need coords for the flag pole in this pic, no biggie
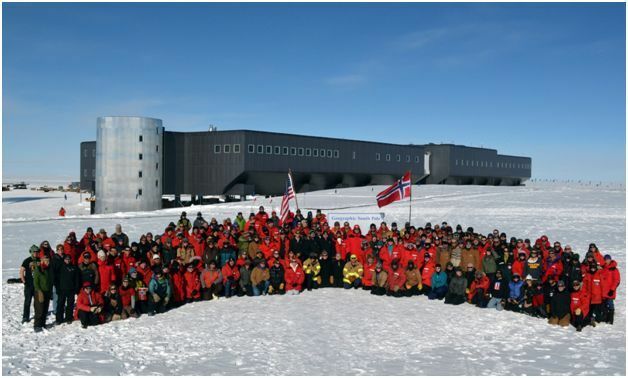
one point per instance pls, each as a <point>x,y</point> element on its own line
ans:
<point>293,188</point>
<point>410,215</point>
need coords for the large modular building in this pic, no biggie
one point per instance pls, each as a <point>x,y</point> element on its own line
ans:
<point>134,162</point>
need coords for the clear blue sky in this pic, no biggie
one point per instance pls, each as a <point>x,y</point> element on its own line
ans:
<point>541,80</point>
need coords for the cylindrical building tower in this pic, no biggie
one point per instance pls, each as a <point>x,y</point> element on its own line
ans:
<point>129,165</point>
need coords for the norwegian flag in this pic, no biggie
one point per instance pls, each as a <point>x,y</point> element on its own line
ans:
<point>396,192</point>
<point>285,202</point>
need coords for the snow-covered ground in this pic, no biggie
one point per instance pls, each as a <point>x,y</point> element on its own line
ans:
<point>329,331</point>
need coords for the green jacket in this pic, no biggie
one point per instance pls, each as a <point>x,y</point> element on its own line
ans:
<point>241,222</point>
<point>42,280</point>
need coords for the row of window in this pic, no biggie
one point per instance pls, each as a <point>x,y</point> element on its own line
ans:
<point>226,149</point>
<point>408,158</point>
<point>489,164</point>
<point>139,191</point>
<point>294,151</point>
<point>93,153</point>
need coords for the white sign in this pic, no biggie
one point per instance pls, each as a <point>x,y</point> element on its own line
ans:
<point>364,220</point>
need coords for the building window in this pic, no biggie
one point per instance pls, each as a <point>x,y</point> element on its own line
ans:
<point>156,183</point>
<point>322,153</point>
<point>315,152</point>
<point>416,159</point>
<point>407,158</point>
<point>353,155</point>
<point>277,150</point>
<point>157,130</point>
<point>236,148</point>
<point>269,150</point>
<point>216,148</point>
<point>387,157</point>
<point>398,158</point>
<point>156,166</point>
<point>329,154</point>
<point>284,150</point>
<point>251,148</point>
<point>308,152</point>
<point>260,149</point>
<point>157,148</point>
<point>140,174</point>
<point>227,149</point>
<point>378,156</point>
<point>139,192</point>
<point>336,154</point>
<point>293,151</point>
<point>301,151</point>
<point>141,156</point>
<point>141,139</point>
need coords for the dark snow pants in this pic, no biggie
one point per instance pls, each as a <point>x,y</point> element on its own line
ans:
<point>87,318</point>
<point>65,306</point>
<point>41,309</point>
<point>29,291</point>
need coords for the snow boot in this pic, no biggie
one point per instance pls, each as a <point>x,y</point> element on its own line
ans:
<point>38,329</point>
<point>611,316</point>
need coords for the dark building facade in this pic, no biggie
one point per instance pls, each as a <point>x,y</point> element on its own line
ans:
<point>244,162</point>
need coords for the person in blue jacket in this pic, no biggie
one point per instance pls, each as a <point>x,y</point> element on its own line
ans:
<point>439,284</point>
<point>227,252</point>
<point>159,291</point>
<point>515,295</point>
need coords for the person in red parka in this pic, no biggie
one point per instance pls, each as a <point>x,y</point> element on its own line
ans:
<point>178,284</point>
<point>593,282</point>
<point>427,269</point>
<point>597,254</point>
<point>192,284</point>
<point>294,277</point>
<point>230,277</point>
<point>610,282</point>
<point>478,292</point>
<point>127,295</point>
<point>519,265</point>
<point>89,305</point>
<point>553,266</point>
<point>396,279</point>
<point>579,306</point>
<point>105,272</point>
<point>369,271</point>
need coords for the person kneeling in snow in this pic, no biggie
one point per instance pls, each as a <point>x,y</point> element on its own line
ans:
<point>276,278</point>
<point>89,305</point>
<point>294,277</point>
<point>352,273</point>
<point>396,280</point>
<point>413,284</point>
<point>159,293</point>
<point>498,291</point>
<point>457,288</point>
<point>439,284</point>
<point>559,306</point>
<point>380,280</point>
<point>260,279</point>
<point>113,304</point>
<point>312,269</point>
<point>515,294</point>
<point>478,292</point>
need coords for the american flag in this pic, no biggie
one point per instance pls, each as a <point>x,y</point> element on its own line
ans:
<point>287,196</point>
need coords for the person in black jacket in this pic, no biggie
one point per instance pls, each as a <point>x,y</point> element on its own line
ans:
<point>338,265</point>
<point>26,276</point>
<point>68,285</point>
<point>560,312</point>
<point>277,285</point>
<point>113,304</point>
<point>498,291</point>
<point>327,269</point>
<point>549,288</point>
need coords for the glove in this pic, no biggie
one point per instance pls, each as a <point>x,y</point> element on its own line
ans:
<point>281,287</point>
<point>408,286</point>
<point>194,292</point>
<point>467,291</point>
<point>610,293</point>
<point>98,310</point>
<point>270,290</point>
<point>420,286</point>
<point>331,280</point>
<point>93,309</point>
<point>156,297</point>
<point>166,300</point>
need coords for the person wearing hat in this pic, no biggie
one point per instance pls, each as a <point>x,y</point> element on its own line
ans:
<point>515,293</point>
<point>553,265</point>
<point>191,283</point>
<point>559,312</point>
<point>141,289</point>
<point>245,281</point>
<point>596,254</point>
<point>277,278</point>
<point>312,269</point>
<point>396,279</point>
<point>26,276</point>
<point>106,272</point>
<point>227,252</point>
<point>230,277</point>
<point>592,282</point>
<point>380,280</point>
<point>498,292</point>
<point>293,276</point>
<point>211,281</point>
<point>89,305</point>
<point>112,310</point>
<point>439,283</point>
<point>260,279</point>
<point>159,293</point>
<point>414,281</point>
<point>470,255</point>
<point>579,306</point>
<point>457,288</point>
<point>529,292</point>
<point>427,269</point>
<point>184,222</point>
<point>68,286</point>
<point>610,281</point>
<point>127,297</point>
<point>352,273</point>
<point>534,266</point>
<point>119,236</point>
<point>199,221</point>
<point>42,283</point>
<point>88,269</point>
<point>478,292</point>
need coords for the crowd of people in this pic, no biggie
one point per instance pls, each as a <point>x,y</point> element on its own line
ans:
<point>104,277</point>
